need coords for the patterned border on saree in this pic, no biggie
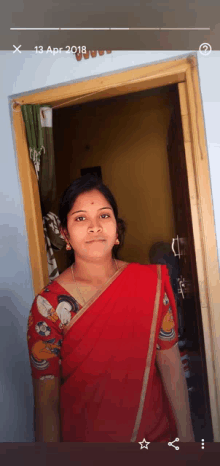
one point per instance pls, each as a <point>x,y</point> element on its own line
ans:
<point>149,356</point>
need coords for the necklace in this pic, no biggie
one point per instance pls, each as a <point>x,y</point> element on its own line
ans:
<point>99,288</point>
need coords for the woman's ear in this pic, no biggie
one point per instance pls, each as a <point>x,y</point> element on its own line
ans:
<point>63,232</point>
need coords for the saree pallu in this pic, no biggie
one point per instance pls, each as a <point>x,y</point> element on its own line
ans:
<point>111,389</point>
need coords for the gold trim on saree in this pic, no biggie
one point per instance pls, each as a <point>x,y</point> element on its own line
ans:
<point>94,298</point>
<point>149,357</point>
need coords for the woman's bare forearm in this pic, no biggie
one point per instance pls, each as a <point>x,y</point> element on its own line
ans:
<point>171,370</point>
<point>47,410</point>
<point>47,423</point>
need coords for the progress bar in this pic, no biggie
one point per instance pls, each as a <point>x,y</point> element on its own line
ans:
<point>110,29</point>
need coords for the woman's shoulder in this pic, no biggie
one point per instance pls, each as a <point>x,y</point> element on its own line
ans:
<point>51,290</point>
<point>138,264</point>
<point>48,294</point>
<point>56,292</point>
<point>150,268</point>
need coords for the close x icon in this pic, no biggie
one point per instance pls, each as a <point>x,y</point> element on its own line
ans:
<point>16,49</point>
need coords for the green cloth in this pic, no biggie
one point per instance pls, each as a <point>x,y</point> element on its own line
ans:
<point>38,123</point>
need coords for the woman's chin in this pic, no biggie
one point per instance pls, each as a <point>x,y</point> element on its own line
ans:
<point>99,255</point>
<point>100,252</point>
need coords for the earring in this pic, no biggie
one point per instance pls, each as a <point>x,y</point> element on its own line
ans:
<point>117,241</point>
<point>68,247</point>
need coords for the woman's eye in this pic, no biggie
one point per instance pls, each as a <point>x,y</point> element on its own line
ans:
<point>79,219</point>
<point>105,215</point>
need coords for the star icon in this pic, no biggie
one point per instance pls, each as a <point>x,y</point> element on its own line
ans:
<point>144,444</point>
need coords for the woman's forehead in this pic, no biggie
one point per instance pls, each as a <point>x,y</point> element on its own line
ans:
<point>90,198</point>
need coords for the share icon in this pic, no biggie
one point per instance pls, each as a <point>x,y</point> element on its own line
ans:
<point>170,444</point>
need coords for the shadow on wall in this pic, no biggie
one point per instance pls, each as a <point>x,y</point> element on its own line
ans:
<point>15,385</point>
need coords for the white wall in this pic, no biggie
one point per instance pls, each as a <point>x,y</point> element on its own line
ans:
<point>29,72</point>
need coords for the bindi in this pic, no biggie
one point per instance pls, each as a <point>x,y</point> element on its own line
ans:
<point>92,202</point>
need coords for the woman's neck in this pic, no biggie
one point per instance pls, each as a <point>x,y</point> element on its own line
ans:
<point>94,272</point>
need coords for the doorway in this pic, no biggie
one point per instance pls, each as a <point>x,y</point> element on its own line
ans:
<point>183,73</point>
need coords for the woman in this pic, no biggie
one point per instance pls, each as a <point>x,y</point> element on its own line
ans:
<point>103,337</point>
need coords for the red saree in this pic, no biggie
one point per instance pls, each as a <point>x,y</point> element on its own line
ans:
<point>111,390</point>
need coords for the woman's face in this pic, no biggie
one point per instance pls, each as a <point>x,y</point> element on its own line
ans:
<point>91,226</point>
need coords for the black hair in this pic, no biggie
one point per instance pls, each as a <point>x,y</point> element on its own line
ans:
<point>85,184</point>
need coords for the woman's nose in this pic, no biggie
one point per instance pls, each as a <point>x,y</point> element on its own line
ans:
<point>95,227</point>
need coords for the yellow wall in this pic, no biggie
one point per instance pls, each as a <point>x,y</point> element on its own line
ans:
<point>128,139</point>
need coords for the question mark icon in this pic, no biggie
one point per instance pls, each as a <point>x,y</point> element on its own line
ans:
<point>205,48</point>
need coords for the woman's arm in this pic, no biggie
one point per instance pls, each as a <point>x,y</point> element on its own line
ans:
<point>46,413</point>
<point>171,371</point>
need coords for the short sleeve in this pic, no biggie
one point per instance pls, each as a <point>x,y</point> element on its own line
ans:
<point>44,337</point>
<point>168,334</point>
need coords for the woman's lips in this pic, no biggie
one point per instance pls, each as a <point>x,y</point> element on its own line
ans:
<point>96,241</point>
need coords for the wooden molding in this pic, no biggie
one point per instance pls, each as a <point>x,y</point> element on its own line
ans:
<point>145,77</point>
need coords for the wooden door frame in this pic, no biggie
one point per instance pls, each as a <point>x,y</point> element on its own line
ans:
<point>184,73</point>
